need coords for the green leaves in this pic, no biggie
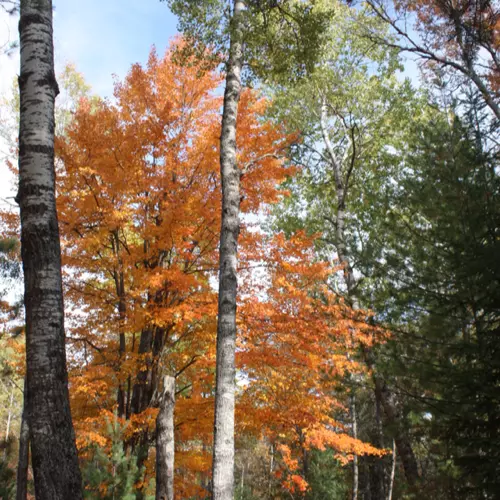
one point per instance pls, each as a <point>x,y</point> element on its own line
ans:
<point>111,473</point>
<point>282,38</point>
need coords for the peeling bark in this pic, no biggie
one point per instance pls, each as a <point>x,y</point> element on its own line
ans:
<point>223,455</point>
<point>165,442</point>
<point>54,457</point>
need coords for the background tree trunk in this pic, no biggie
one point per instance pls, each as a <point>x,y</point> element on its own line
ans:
<point>393,471</point>
<point>386,397</point>
<point>24,443</point>
<point>9,419</point>
<point>403,443</point>
<point>54,458</point>
<point>223,456</point>
<point>165,442</point>
<point>355,464</point>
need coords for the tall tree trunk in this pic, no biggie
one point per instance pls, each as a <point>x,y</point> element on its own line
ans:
<point>24,442</point>
<point>223,455</point>
<point>122,394</point>
<point>122,311</point>
<point>9,419</point>
<point>377,467</point>
<point>54,458</point>
<point>141,392</point>
<point>165,442</point>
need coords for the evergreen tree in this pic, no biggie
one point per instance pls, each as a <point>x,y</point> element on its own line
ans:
<point>430,257</point>
<point>111,473</point>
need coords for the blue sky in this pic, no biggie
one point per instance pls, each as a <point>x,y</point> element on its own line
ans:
<point>101,38</point>
<point>106,37</point>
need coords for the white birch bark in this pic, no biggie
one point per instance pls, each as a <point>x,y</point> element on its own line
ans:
<point>223,456</point>
<point>54,458</point>
<point>165,443</point>
<point>393,471</point>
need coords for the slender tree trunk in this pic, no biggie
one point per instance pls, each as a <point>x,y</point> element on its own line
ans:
<point>9,419</point>
<point>55,462</point>
<point>355,465</point>
<point>223,455</point>
<point>23,460</point>
<point>141,392</point>
<point>403,442</point>
<point>271,468</point>
<point>165,442</point>
<point>393,471</point>
<point>242,486</point>
<point>122,395</point>
<point>122,311</point>
<point>377,464</point>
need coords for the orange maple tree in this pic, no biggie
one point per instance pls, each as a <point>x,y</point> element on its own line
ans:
<point>293,356</point>
<point>139,211</point>
<point>139,208</point>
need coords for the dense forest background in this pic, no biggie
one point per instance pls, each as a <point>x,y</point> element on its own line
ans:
<point>367,349</point>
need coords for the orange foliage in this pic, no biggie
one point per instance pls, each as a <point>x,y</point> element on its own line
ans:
<point>292,356</point>
<point>139,208</point>
<point>139,211</point>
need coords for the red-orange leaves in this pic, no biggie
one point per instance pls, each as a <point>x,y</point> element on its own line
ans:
<point>139,207</point>
<point>296,344</point>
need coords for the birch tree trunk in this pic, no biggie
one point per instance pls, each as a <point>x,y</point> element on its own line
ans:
<point>382,391</point>
<point>23,460</point>
<point>355,461</point>
<point>393,470</point>
<point>223,455</point>
<point>54,458</point>
<point>165,442</point>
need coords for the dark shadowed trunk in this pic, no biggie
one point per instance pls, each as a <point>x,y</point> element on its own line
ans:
<point>377,465</point>
<point>165,442</point>
<point>54,458</point>
<point>223,457</point>
<point>23,459</point>
<point>394,419</point>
